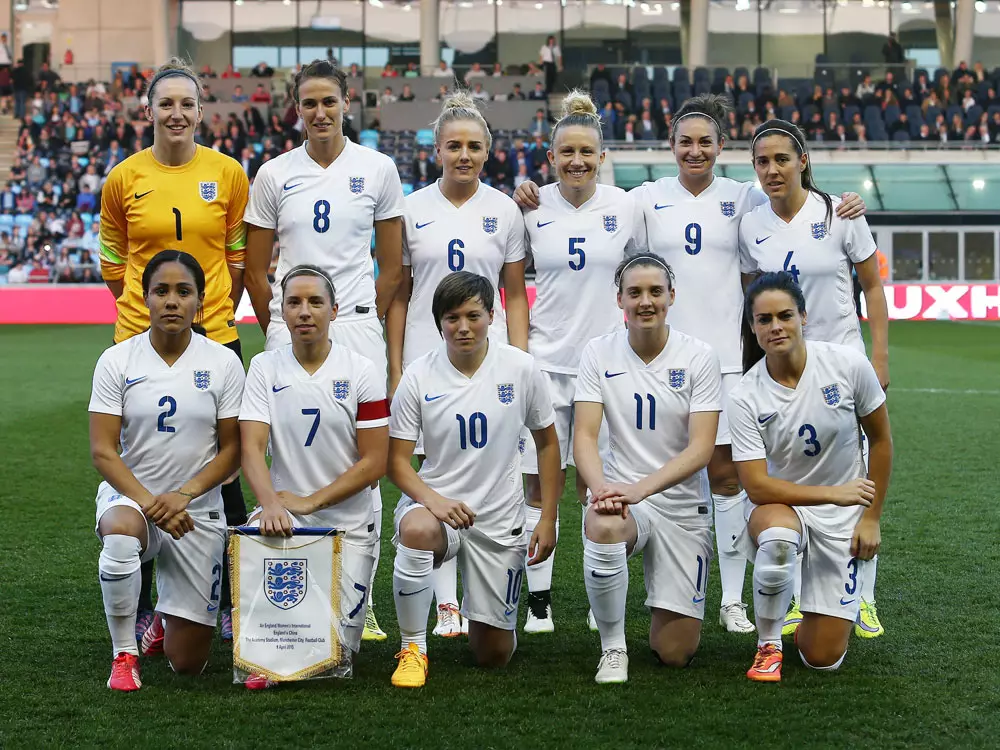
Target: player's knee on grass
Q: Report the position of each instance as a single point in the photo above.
(822, 641)
(673, 654)
(674, 639)
(492, 647)
(825, 658)
(186, 645)
(604, 529)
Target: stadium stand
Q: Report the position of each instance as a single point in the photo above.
(68, 136)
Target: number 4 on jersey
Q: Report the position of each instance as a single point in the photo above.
(790, 267)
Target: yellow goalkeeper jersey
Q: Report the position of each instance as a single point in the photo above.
(147, 207)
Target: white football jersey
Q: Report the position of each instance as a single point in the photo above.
(810, 434)
(647, 408)
(438, 239)
(326, 216)
(314, 423)
(699, 237)
(169, 414)
(471, 429)
(576, 251)
(819, 258)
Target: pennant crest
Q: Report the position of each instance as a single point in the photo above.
(284, 582)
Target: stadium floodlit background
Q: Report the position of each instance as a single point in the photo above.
(913, 126)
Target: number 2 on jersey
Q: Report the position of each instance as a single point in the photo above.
(809, 433)
(574, 249)
(692, 233)
(321, 216)
(456, 258)
(161, 422)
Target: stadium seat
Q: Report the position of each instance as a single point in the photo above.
(701, 74)
(369, 138)
(425, 137)
(891, 114)
(939, 73)
(973, 115)
(741, 71)
(601, 93)
(931, 115)
(6, 222)
(682, 92)
(702, 87)
(23, 221)
(849, 111)
(680, 75)
(913, 112)
(953, 110)
(663, 169)
(786, 113)
(407, 188)
(87, 218)
(744, 101)
(901, 136)
(628, 176)
(719, 75)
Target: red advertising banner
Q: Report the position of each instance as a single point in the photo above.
(62, 304)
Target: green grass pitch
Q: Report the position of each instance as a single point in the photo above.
(932, 681)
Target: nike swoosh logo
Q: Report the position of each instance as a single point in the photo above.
(276, 389)
(865, 627)
(697, 599)
(613, 374)
(109, 580)
(212, 607)
(845, 603)
(658, 207)
(428, 397)
(413, 593)
(595, 574)
(142, 195)
(133, 381)
(758, 240)
(540, 224)
(509, 612)
(764, 593)
(765, 418)
(425, 224)
(286, 186)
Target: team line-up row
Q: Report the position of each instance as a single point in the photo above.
(661, 469)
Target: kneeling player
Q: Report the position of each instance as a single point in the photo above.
(797, 448)
(171, 398)
(470, 397)
(324, 411)
(660, 392)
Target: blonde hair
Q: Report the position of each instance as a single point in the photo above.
(459, 106)
(579, 109)
(175, 66)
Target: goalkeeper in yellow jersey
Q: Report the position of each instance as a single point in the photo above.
(177, 195)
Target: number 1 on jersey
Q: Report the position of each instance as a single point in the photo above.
(177, 224)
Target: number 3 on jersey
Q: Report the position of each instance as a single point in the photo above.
(575, 249)
(321, 216)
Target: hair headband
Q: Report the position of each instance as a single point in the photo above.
(798, 144)
(171, 73)
(697, 114)
(649, 259)
(303, 272)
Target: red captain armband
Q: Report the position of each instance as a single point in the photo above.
(372, 410)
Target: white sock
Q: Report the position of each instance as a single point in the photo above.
(869, 569)
(729, 525)
(539, 576)
(118, 570)
(605, 574)
(833, 667)
(445, 581)
(411, 588)
(377, 551)
(797, 579)
(773, 571)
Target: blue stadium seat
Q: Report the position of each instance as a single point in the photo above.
(407, 188)
(808, 111)
(761, 75)
(972, 116)
(702, 87)
(84, 161)
(425, 137)
(900, 136)
(849, 111)
(601, 93)
(953, 110)
(6, 222)
(660, 75)
(258, 148)
(741, 71)
(786, 113)
(662, 91)
(931, 115)
(744, 101)
(701, 74)
(914, 113)
(719, 75)
(681, 75)
(938, 73)
(625, 98)
(891, 114)
(23, 221)
(682, 92)
(873, 113)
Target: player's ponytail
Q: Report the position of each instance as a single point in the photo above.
(781, 281)
(711, 107)
(579, 109)
(458, 106)
(639, 260)
(798, 139)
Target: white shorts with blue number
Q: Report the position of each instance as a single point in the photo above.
(831, 575)
(189, 569)
(357, 557)
(491, 571)
(675, 561)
